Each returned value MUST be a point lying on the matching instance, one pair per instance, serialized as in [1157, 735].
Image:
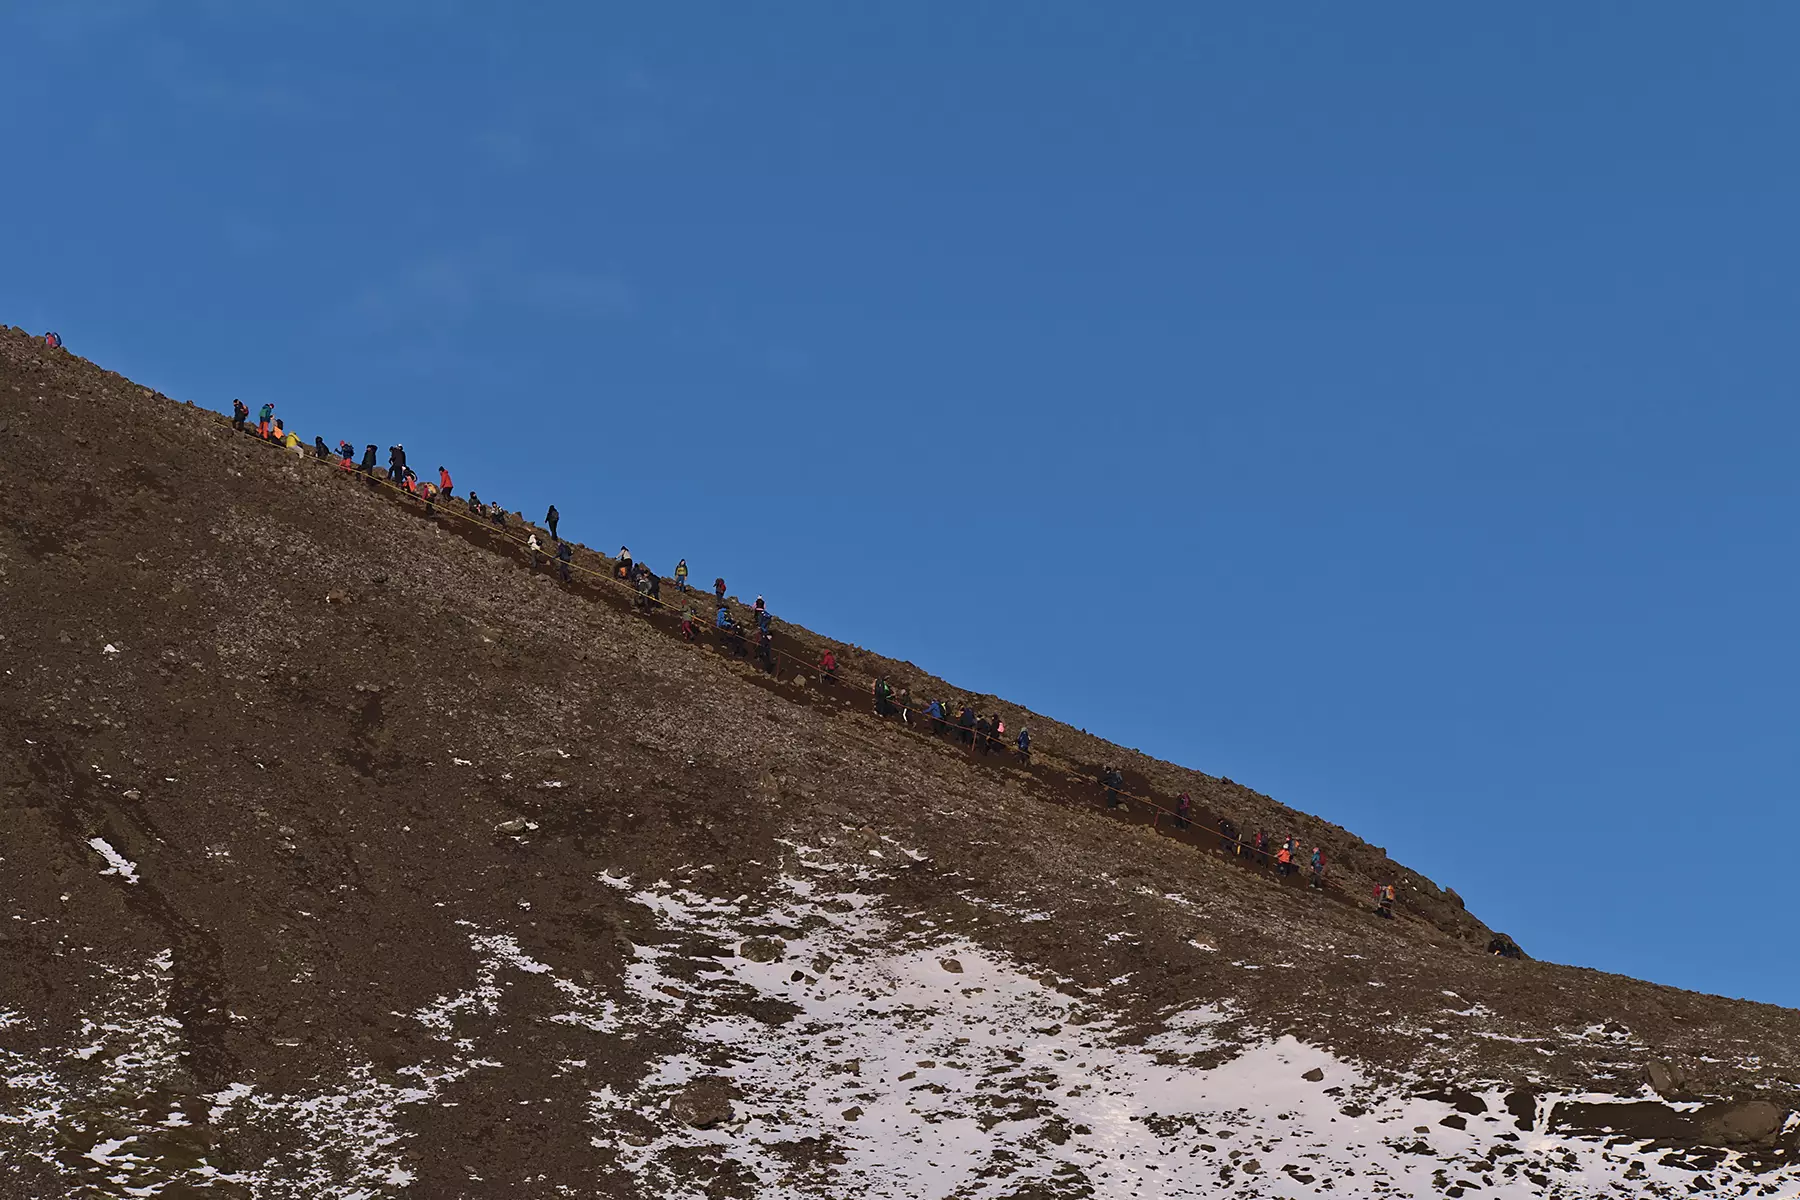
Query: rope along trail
[448, 506]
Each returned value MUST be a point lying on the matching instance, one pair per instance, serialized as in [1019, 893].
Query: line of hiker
[985, 735]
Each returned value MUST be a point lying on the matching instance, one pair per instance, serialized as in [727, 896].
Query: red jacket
[443, 479]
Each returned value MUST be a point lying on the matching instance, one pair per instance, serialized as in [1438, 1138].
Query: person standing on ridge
[263, 416]
[719, 588]
[1384, 900]
[240, 413]
[681, 574]
[564, 556]
[396, 464]
[444, 482]
[551, 518]
[53, 340]
[625, 563]
[320, 449]
[346, 455]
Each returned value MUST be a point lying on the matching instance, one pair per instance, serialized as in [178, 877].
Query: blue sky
[1387, 406]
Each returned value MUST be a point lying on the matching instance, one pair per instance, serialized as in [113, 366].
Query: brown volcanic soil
[301, 660]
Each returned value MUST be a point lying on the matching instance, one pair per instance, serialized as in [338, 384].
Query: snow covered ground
[898, 1064]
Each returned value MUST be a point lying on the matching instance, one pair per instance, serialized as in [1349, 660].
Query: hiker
[884, 697]
[1184, 804]
[288, 439]
[1504, 947]
[688, 619]
[765, 649]
[444, 482]
[906, 705]
[966, 723]
[1318, 868]
[1227, 834]
[625, 563]
[984, 734]
[1114, 781]
[935, 710]
[409, 481]
[1384, 900]
[53, 340]
[263, 416]
[497, 514]
[429, 491]
[396, 464]
[240, 412]
[564, 556]
[368, 460]
[999, 738]
[1024, 745]
[1262, 848]
[764, 618]
[1284, 858]
[719, 588]
[551, 517]
[642, 603]
[729, 633]
[320, 449]
[828, 667]
[537, 558]
[681, 574]
[655, 585]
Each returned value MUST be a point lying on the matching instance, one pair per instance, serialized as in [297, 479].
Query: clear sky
[1389, 406]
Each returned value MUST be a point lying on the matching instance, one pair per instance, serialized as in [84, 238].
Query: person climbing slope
[551, 517]
[537, 557]
[320, 449]
[1184, 804]
[1318, 868]
[1114, 782]
[564, 556]
[444, 482]
[828, 667]
[719, 588]
[1024, 744]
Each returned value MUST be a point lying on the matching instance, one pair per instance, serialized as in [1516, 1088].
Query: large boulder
[1746, 1122]
[704, 1102]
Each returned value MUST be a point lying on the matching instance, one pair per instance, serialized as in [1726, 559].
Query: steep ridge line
[1240, 853]
[1355, 859]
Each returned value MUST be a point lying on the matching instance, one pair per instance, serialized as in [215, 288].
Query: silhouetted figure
[550, 519]
[564, 555]
[1114, 781]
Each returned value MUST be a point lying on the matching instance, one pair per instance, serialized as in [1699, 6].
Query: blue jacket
[723, 621]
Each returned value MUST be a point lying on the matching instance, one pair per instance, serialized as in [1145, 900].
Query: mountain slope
[344, 854]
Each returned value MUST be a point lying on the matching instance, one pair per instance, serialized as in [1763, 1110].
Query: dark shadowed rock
[950, 965]
[1744, 1123]
[703, 1103]
[1316, 1075]
[762, 949]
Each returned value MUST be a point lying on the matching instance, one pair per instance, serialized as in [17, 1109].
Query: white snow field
[912, 1066]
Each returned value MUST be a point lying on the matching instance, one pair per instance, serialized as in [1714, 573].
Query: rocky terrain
[344, 854]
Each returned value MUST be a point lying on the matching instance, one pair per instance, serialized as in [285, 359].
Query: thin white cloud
[454, 288]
